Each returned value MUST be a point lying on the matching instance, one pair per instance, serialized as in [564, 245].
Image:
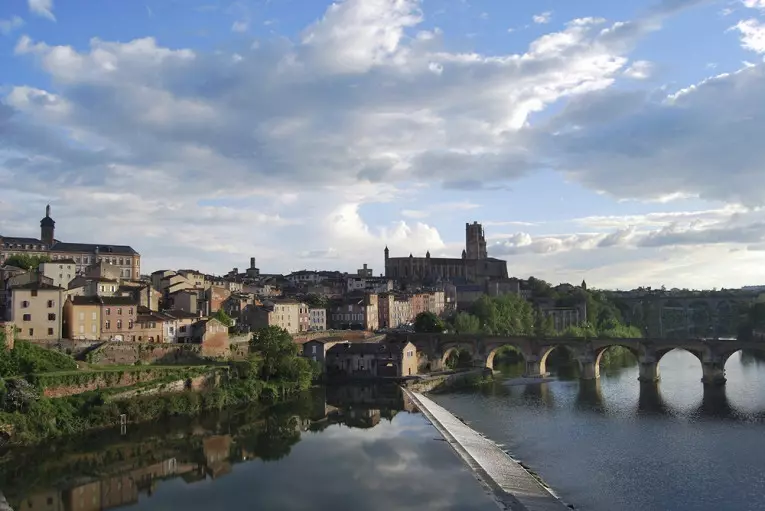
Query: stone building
[83, 254]
[282, 313]
[372, 360]
[355, 313]
[474, 266]
[35, 308]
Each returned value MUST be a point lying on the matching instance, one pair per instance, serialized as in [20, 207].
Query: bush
[26, 358]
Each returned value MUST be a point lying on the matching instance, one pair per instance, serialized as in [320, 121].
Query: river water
[349, 448]
[621, 445]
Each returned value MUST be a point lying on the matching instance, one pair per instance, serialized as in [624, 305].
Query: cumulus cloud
[42, 8]
[701, 141]
[639, 70]
[542, 18]
[278, 150]
[752, 35]
[9, 25]
[754, 4]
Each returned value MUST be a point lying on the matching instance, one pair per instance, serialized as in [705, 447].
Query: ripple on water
[617, 444]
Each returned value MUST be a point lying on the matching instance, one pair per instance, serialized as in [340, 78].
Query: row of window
[32, 332]
[25, 303]
[108, 311]
[28, 317]
[108, 324]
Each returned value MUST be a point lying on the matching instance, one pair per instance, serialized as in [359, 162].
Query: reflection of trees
[273, 439]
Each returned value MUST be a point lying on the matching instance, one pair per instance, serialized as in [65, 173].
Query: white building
[61, 272]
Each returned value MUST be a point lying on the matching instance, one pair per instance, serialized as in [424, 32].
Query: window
[24, 304]
[182, 329]
[313, 349]
[50, 304]
[34, 292]
[31, 332]
[93, 329]
[130, 324]
[119, 311]
[50, 331]
[119, 324]
[92, 315]
[51, 317]
[108, 311]
[130, 311]
[112, 289]
[82, 316]
[82, 329]
[107, 324]
[102, 289]
[27, 317]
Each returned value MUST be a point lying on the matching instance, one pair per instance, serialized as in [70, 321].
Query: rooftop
[38, 286]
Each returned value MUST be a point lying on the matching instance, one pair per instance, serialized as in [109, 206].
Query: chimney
[252, 262]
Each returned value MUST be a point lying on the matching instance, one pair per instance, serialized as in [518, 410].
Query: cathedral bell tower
[47, 228]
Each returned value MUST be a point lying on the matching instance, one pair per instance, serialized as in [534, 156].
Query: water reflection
[617, 443]
[108, 470]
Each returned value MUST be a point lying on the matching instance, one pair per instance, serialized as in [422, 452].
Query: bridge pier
[649, 371]
[714, 373]
[589, 370]
[535, 369]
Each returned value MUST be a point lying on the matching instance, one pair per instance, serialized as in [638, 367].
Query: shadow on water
[589, 397]
[205, 447]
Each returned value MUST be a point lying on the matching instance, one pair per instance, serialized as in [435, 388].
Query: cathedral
[475, 266]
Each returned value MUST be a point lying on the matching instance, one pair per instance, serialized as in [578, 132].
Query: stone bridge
[434, 349]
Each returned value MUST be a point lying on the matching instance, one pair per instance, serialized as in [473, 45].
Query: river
[621, 445]
[347, 448]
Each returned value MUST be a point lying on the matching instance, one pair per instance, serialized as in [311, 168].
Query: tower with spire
[47, 228]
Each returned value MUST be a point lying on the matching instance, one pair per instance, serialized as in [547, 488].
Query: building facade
[317, 319]
[474, 266]
[127, 260]
[372, 360]
[35, 309]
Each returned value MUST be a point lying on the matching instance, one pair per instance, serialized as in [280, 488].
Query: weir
[512, 486]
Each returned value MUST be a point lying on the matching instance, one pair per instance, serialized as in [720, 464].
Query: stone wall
[108, 379]
[448, 381]
[346, 335]
[9, 331]
[196, 384]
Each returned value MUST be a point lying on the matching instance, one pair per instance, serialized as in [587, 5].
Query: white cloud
[11, 24]
[754, 4]
[542, 18]
[752, 35]
[42, 8]
[701, 141]
[639, 70]
[240, 26]
[283, 149]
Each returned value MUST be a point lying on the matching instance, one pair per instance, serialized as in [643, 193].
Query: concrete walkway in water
[514, 488]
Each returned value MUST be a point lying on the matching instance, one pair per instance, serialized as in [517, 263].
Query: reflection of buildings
[195, 454]
[123, 488]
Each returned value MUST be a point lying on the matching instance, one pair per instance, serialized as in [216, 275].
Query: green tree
[504, 315]
[544, 326]
[26, 262]
[223, 318]
[275, 348]
[466, 323]
[428, 323]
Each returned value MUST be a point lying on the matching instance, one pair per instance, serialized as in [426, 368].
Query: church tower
[47, 228]
[475, 242]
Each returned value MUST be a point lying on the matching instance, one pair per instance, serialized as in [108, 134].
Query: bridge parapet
[712, 354]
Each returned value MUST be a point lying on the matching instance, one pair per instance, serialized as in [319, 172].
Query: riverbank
[512, 486]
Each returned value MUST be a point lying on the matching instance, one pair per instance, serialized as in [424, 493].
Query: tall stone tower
[47, 228]
[475, 242]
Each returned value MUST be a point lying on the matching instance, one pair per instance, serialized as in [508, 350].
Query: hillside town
[52, 290]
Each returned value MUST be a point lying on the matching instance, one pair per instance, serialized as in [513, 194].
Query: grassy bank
[272, 372]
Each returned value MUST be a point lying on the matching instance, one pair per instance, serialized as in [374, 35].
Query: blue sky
[612, 141]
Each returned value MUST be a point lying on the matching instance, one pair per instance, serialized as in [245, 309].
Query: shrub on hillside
[26, 358]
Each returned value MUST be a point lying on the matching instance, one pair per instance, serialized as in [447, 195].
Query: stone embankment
[512, 486]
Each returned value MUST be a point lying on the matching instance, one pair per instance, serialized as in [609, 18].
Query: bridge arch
[451, 349]
[600, 351]
[492, 353]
